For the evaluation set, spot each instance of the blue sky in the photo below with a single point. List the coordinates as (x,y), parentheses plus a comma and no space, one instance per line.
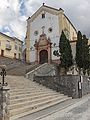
(13,14)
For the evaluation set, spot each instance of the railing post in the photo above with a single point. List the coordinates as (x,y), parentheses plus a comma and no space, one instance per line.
(4,96)
(4,103)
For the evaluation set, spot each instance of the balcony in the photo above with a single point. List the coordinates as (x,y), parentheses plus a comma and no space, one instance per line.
(8,47)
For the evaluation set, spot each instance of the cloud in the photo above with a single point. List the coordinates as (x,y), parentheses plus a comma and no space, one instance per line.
(77,11)
(13,14)
(11,18)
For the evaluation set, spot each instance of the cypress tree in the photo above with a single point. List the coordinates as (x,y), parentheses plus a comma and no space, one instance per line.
(85,53)
(65,52)
(79,49)
(82,52)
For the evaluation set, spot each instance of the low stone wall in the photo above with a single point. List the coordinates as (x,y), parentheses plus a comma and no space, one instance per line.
(67,85)
(42,70)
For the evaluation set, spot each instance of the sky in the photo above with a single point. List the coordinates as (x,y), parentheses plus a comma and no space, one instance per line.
(14,13)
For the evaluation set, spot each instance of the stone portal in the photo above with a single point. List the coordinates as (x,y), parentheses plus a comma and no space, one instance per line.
(43,50)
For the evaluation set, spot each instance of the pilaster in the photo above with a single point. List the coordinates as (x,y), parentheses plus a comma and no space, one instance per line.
(60,22)
(27,41)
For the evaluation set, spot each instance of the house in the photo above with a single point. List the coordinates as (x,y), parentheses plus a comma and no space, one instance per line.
(10,46)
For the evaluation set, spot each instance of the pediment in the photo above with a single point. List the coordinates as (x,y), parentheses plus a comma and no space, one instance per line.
(45,9)
(43,41)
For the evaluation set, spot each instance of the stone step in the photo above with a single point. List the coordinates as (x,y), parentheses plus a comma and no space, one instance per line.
(19,100)
(16,90)
(28,92)
(35,95)
(28,88)
(24,90)
(31,101)
(25,87)
(38,106)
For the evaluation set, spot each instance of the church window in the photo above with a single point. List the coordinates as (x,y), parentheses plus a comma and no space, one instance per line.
(50,29)
(43,15)
(36,33)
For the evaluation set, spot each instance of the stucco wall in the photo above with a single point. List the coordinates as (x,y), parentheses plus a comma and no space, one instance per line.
(12,42)
(36,25)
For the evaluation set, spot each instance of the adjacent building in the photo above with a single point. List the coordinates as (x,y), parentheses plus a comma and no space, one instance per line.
(10,46)
(44,28)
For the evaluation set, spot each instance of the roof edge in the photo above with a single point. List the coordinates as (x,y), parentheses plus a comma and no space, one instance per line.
(11,37)
(60,9)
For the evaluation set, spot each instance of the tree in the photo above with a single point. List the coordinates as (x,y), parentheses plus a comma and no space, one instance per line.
(65,52)
(85,53)
(82,52)
(79,50)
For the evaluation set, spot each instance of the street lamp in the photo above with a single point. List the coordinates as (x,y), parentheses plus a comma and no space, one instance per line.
(3,74)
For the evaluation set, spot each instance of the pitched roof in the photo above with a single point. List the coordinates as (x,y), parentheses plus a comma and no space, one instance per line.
(14,38)
(51,8)
(48,7)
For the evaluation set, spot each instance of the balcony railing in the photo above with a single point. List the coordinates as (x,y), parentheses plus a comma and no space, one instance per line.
(8,47)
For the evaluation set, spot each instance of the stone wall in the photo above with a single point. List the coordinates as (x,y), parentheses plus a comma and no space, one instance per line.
(42,70)
(67,85)
(4,103)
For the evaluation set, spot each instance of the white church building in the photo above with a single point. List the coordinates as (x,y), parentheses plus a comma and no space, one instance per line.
(44,28)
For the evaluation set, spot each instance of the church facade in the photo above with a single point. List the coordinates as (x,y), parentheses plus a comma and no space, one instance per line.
(44,28)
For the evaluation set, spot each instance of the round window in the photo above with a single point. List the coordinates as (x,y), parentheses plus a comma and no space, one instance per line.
(36,33)
(50,29)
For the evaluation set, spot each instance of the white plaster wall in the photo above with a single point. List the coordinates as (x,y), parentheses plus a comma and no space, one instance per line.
(53,56)
(32,56)
(49,21)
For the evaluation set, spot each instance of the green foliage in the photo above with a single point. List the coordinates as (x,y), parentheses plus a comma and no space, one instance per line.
(79,50)
(65,51)
(82,52)
(56,53)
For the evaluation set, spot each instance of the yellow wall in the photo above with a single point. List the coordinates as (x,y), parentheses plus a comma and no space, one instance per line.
(64,23)
(27,42)
(6,40)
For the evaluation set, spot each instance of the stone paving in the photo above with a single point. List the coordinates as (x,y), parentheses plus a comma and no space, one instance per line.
(79,111)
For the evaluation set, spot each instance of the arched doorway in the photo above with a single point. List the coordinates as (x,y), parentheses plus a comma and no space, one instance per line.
(43,56)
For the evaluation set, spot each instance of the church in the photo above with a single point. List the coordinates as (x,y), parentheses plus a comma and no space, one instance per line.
(43,32)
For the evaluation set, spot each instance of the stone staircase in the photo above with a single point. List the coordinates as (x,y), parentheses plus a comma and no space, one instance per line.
(15,67)
(28,97)
(42,70)
(10,63)
(19,70)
